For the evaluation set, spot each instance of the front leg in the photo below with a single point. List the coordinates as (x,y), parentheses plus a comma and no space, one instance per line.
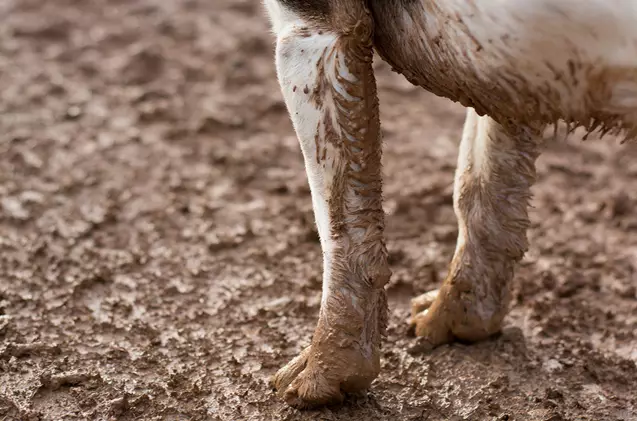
(324,66)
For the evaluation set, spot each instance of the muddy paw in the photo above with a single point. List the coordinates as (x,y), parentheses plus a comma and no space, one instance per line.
(423,302)
(427,321)
(440,317)
(314,379)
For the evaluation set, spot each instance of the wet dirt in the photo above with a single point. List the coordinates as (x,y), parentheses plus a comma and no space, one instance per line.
(158,255)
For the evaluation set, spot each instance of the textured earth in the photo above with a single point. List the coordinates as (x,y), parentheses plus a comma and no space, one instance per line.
(159,259)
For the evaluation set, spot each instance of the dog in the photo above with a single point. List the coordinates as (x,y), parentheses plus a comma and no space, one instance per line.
(518,66)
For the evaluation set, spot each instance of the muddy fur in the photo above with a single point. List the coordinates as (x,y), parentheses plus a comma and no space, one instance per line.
(518,67)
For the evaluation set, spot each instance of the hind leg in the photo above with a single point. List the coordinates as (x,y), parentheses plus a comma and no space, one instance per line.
(496,168)
(324,67)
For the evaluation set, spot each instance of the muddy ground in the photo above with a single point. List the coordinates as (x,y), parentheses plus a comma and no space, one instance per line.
(158,256)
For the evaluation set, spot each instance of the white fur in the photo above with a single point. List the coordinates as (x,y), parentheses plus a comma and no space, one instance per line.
(296,63)
(279,16)
(535,39)
(298,54)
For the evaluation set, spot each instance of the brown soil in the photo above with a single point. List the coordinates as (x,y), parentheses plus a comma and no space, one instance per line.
(158,256)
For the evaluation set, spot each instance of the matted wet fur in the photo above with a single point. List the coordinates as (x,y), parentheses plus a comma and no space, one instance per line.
(519,67)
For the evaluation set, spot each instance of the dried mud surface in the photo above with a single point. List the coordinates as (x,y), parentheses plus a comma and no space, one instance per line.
(158,256)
